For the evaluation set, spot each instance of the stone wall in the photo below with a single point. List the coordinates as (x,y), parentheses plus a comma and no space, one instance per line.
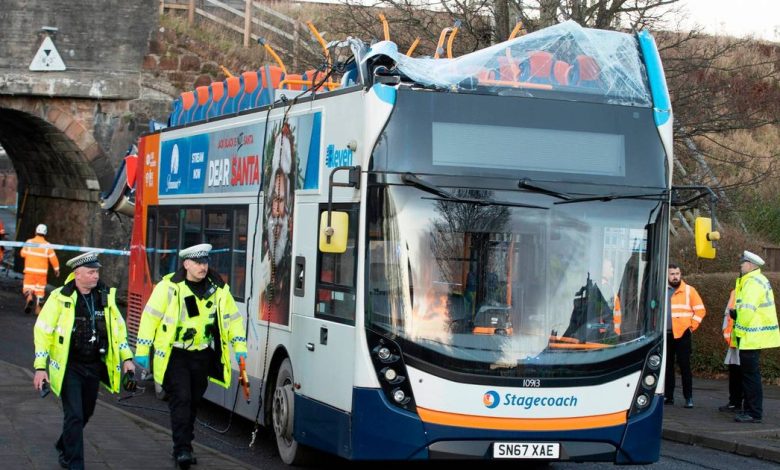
(171,59)
(102,44)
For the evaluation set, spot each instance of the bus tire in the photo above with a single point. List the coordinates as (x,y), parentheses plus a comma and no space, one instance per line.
(282,417)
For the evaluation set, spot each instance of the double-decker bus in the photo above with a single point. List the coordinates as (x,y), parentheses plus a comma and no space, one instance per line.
(436,258)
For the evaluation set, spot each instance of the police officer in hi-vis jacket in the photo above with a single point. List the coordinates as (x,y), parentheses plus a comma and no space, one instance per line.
(80,337)
(755,328)
(190,319)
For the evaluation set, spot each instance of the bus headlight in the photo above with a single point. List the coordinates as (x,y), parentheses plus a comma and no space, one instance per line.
(390,374)
(642,400)
(645,393)
(388,361)
(649,381)
(654,361)
(399,396)
(383,353)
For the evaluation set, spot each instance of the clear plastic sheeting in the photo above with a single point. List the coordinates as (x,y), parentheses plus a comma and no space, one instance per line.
(586,64)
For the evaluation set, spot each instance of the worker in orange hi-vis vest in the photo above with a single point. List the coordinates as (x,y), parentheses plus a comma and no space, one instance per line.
(36,269)
(684,313)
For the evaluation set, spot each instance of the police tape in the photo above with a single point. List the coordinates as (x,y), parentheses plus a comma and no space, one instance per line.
(107,251)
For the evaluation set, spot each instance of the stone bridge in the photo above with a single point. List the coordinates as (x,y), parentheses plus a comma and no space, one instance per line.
(66,131)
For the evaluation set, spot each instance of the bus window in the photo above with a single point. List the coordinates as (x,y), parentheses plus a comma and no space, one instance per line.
(238,283)
(167,243)
(193,223)
(336,275)
(218,227)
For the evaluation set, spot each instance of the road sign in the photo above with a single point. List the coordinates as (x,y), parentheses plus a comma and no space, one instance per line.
(47,59)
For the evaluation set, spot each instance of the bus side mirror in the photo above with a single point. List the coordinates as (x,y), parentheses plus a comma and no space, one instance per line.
(333,237)
(705,238)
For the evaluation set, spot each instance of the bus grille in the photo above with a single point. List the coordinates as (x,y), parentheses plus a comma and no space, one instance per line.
(135,306)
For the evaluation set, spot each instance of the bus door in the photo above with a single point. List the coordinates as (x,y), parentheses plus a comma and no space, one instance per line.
(324,311)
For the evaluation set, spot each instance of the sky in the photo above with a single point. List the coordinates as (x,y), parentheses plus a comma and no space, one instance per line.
(760,18)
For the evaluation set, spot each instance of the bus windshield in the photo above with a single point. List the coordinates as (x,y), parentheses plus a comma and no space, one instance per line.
(491,287)
(517,238)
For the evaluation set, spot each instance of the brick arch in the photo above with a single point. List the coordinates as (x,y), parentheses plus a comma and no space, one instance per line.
(74,120)
(51,157)
(54,157)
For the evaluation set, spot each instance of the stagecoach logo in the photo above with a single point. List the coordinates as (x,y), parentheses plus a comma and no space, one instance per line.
(172,183)
(340,157)
(491,399)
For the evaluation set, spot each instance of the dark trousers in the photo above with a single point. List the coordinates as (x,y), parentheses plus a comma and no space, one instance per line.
(735,386)
(79,395)
(681,350)
(185,381)
(751,382)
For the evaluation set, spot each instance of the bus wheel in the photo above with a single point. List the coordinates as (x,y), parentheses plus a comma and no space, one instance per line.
(282,414)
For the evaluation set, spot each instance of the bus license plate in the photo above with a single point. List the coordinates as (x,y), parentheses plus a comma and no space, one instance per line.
(526,450)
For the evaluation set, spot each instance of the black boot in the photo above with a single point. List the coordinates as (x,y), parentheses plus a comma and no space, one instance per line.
(61,455)
(184,459)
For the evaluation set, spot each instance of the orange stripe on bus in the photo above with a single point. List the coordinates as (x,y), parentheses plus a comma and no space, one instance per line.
(521,424)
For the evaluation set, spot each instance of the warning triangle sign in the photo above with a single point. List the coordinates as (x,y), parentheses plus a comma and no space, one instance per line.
(47,59)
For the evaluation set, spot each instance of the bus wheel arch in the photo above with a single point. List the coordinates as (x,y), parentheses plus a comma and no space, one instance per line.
(283,417)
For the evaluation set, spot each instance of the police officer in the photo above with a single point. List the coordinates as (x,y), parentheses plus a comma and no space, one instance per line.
(755,328)
(190,318)
(83,315)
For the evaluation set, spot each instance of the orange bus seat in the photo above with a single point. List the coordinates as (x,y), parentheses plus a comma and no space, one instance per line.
(251,89)
(294,86)
(537,68)
(313,75)
(561,71)
(585,72)
(508,69)
(271,77)
(202,100)
(187,105)
(232,91)
(217,97)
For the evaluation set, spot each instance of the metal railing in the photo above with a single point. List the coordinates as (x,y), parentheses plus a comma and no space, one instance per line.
(228,14)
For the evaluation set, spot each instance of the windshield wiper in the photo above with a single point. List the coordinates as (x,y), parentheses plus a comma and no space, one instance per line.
(412,180)
(611,197)
(525,183)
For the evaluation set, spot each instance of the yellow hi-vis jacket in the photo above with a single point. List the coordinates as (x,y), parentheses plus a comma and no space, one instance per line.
(756,325)
(55,324)
(166,309)
(687,309)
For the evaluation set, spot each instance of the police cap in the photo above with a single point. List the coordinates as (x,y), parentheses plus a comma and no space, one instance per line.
(86,260)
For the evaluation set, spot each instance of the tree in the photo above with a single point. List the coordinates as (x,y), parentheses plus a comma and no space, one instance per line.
(724,91)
